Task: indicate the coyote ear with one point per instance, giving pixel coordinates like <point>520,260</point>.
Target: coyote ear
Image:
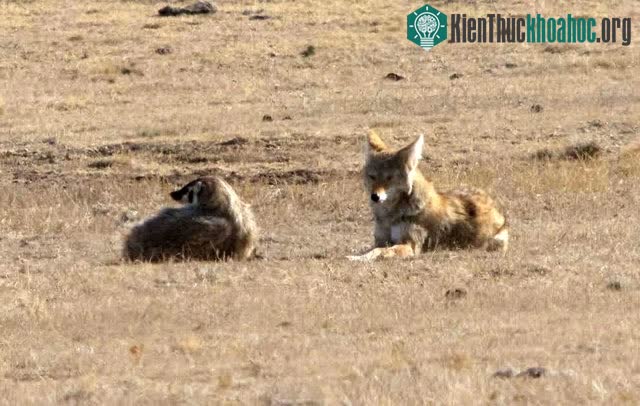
<point>413,152</point>
<point>374,143</point>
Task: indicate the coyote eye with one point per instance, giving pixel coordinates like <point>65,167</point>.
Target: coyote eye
<point>371,177</point>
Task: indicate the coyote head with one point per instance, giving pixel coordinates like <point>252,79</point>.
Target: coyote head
<point>390,174</point>
<point>209,192</point>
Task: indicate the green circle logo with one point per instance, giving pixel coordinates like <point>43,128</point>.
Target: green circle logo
<point>426,27</point>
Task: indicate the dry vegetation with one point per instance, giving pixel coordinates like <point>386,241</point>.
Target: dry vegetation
<point>106,107</point>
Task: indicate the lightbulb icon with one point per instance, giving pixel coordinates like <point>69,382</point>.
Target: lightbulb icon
<point>427,26</point>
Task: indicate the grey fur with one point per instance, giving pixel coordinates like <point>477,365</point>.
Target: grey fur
<point>215,225</point>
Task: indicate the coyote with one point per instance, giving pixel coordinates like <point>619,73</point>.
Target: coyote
<point>411,215</point>
<point>213,224</point>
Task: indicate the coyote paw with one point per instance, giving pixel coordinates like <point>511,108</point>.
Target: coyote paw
<point>360,258</point>
<point>369,256</point>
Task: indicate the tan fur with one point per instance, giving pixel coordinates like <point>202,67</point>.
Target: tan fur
<point>215,224</point>
<point>412,216</point>
<point>632,149</point>
<point>375,143</point>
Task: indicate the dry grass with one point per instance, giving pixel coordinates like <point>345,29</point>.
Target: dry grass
<point>97,126</point>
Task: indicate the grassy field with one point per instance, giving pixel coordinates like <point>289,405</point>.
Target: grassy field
<point>105,108</point>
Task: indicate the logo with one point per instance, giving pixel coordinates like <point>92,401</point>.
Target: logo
<point>426,27</point>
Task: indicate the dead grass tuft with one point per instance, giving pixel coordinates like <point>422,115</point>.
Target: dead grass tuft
<point>457,361</point>
<point>579,176</point>
<point>629,161</point>
<point>68,104</point>
<point>119,162</point>
<point>581,151</point>
<point>189,345</point>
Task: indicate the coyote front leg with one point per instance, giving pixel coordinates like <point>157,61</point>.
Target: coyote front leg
<point>399,250</point>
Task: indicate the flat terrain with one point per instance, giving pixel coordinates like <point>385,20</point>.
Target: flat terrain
<point>105,108</point>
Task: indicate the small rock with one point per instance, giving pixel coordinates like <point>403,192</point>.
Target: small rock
<point>504,373</point>
<point>163,51</point>
<point>260,17</point>
<point>267,118</point>
<point>394,77</point>
<point>199,7</point>
<point>287,118</point>
<point>614,285</point>
<point>454,294</point>
<point>510,65</point>
<point>535,372</point>
<point>136,350</point>
<point>536,108</point>
<point>309,51</point>
<point>456,76</point>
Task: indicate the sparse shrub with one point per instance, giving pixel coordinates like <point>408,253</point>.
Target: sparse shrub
<point>309,51</point>
<point>629,162</point>
<point>582,151</point>
<point>156,132</point>
<point>614,285</point>
<point>536,108</point>
<point>67,104</point>
<point>109,163</point>
<point>112,69</point>
<point>544,154</point>
<point>101,164</point>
